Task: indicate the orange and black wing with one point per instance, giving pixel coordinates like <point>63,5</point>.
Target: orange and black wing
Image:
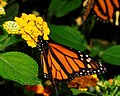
<point>104,10</point>
<point>107,10</point>
<point>88,4</point>
<point>64,63</point>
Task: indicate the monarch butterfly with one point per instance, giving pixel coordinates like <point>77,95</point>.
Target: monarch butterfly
<point>105,10</point>
<point>63,63</point>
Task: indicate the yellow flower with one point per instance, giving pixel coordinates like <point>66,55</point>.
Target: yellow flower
<point>95,77</point>
<point>2,11</point>
<point>11,27</point>
<point>31,27</point>
<point>20,21</point>
<point>26,37</point>
<point>31,43</point>
<point>45,37</point>
<point>27,28</point>
<point>3,3</point>
<point>39,20</point>
<point>83,89</point>
<point>84,82</point>
<point>31,17</point>
<point>97,88</point>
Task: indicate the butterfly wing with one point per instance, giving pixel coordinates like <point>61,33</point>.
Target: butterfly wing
<point>106,10</point>
<point>65,64</point>
<point>88,4</point>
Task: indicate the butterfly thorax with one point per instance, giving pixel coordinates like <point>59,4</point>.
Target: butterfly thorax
<point>42,44</point>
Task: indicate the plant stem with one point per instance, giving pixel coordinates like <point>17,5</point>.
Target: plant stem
<point>115,91</point>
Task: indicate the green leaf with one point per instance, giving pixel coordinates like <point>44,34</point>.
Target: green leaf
<point>60,8</point>
<point>97,47</point>
<point>9,41</point>
<point>77,91</point>
<point>19,67</point>
<point>11,12</point>
<point>68,36</point>
<point>3,37</point>
<point>112,55</point>
<point>118,93</point>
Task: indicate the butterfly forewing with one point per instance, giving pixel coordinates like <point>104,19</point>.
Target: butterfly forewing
<point>53,66</point>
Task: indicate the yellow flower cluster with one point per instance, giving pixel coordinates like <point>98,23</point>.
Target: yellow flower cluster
<point>3,3</point>
<point>84,82</point>
<point>30,27</point>
<point>11,27</point>
<point>2,11</point>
